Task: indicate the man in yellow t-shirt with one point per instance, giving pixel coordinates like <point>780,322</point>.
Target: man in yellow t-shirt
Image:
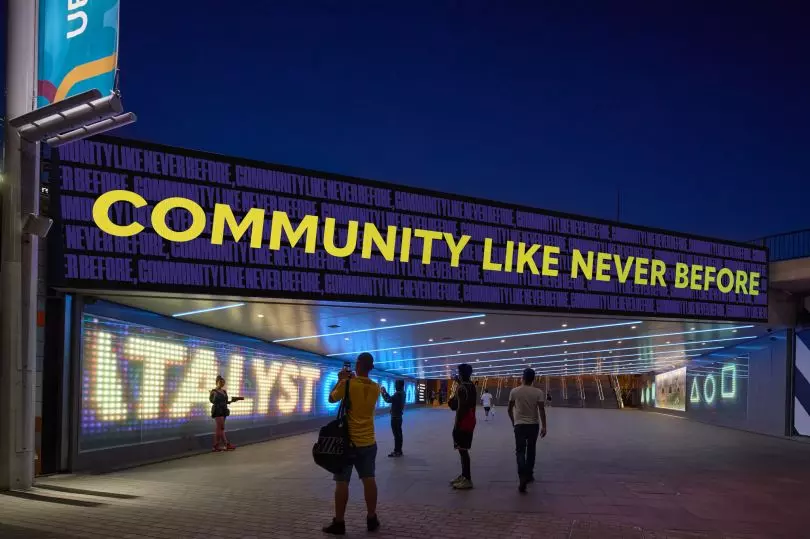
<point>363,397</point>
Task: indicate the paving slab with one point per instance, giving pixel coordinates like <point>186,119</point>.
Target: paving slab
<point>600,474</point>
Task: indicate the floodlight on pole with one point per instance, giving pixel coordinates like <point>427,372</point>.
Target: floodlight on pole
<point>39,114</point>
<point>93,129</point>
<point>64,120</point>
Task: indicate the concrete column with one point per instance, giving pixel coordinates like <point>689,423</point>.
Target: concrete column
<point>19,190</point>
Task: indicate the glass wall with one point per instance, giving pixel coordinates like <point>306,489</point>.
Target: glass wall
<point>144,384</point>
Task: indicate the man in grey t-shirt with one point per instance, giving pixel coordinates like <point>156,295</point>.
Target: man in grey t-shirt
<point>527,409</point>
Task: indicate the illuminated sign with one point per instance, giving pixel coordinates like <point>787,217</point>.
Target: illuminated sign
<point>718,387</point>
<point>147,217</point>
<point>670,390</point>
<point>142,383</point>
<point>421,392</point>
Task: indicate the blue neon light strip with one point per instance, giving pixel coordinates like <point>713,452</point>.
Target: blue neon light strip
<point>479,339</point>
<point>569,360</point>
<point>650,362</point>
<point>542,346</point>
<point>210,309</point>
<point>573,371</point>
<point>440,321</point>
<point>572,354</point>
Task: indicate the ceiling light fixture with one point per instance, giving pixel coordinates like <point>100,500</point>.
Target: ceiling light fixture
<point>563,358</point>
<point>209,310</point>
<point>383,320</point>
<point>498,337</point>
<point>644,356</point>
<point>413,324</point>
<point>544,346</point>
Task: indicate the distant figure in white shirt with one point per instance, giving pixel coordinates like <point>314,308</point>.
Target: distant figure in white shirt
<point>486,400</point>
<point>527,408</point>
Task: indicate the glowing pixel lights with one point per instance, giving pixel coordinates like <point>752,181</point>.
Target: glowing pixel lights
<point>146,384</point>
<point>694,394</point>
<point>156,356</point>
<point>728,372</point>
<point>107,389</point>
<point>709,382</point>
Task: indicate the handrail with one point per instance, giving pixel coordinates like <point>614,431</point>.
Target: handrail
<point>786,246</point>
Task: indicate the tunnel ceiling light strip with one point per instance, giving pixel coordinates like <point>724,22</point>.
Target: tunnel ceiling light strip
<point>572,355</point>
<point>440,321</point>
<point>557,345</point>
<point>210,309</point>
<point>568,359</point>
<point>640,361</point>
<point>479,339</point>
<point>578,370</point>
<point>577,365</point>
<point>571,372</point>
<point>577,362</point>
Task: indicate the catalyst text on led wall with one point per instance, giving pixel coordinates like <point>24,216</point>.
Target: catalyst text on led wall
<point>143,384</point>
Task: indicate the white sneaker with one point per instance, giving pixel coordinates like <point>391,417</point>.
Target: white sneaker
<point>464,484</point>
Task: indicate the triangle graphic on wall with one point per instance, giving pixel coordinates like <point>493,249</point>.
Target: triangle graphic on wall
<point>694,394</point>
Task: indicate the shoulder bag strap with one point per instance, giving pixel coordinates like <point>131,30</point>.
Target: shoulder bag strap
<point>344,403</point>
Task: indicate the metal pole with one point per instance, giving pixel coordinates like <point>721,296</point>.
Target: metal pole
<point>18,264</point>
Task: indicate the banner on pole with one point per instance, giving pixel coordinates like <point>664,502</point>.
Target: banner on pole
<point>78,48</point>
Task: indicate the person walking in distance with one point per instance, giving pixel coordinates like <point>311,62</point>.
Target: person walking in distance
<point>462,401</point>
<point>527,408</point>
<point>397,402</point>
<point>486,400</point>
<point>363,397</point>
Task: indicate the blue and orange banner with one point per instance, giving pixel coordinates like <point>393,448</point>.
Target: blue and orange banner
<point>78,48</point>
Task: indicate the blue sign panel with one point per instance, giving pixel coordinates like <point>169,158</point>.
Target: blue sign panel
<point>78,48</point>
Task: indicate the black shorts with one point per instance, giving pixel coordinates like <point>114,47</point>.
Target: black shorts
<point>486,408</point>
<point>462,439</point>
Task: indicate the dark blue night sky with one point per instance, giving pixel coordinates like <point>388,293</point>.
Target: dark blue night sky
<point>700,114</point>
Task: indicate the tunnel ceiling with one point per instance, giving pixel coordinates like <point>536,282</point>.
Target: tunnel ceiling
<point>429,343</point>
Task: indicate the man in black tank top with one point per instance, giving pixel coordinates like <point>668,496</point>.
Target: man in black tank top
<point>463,401</point>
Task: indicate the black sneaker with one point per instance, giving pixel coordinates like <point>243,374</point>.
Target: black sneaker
<point>372,523</point>
<point>394,454</point>
<point>522,486</point>
<point>335,528</point>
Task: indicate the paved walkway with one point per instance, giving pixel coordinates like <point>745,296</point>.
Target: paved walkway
<point>601,474</point>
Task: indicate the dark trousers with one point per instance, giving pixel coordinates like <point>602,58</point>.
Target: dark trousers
<point>396,428</point>
<point>526,449</point>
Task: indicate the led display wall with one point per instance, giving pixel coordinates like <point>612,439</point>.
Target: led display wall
<point>670,390</point>
<point>143,384</point>
<point>717,388</point>
<point>132,215</point>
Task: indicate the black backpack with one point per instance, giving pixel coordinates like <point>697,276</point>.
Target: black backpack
<point>331,451</point>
